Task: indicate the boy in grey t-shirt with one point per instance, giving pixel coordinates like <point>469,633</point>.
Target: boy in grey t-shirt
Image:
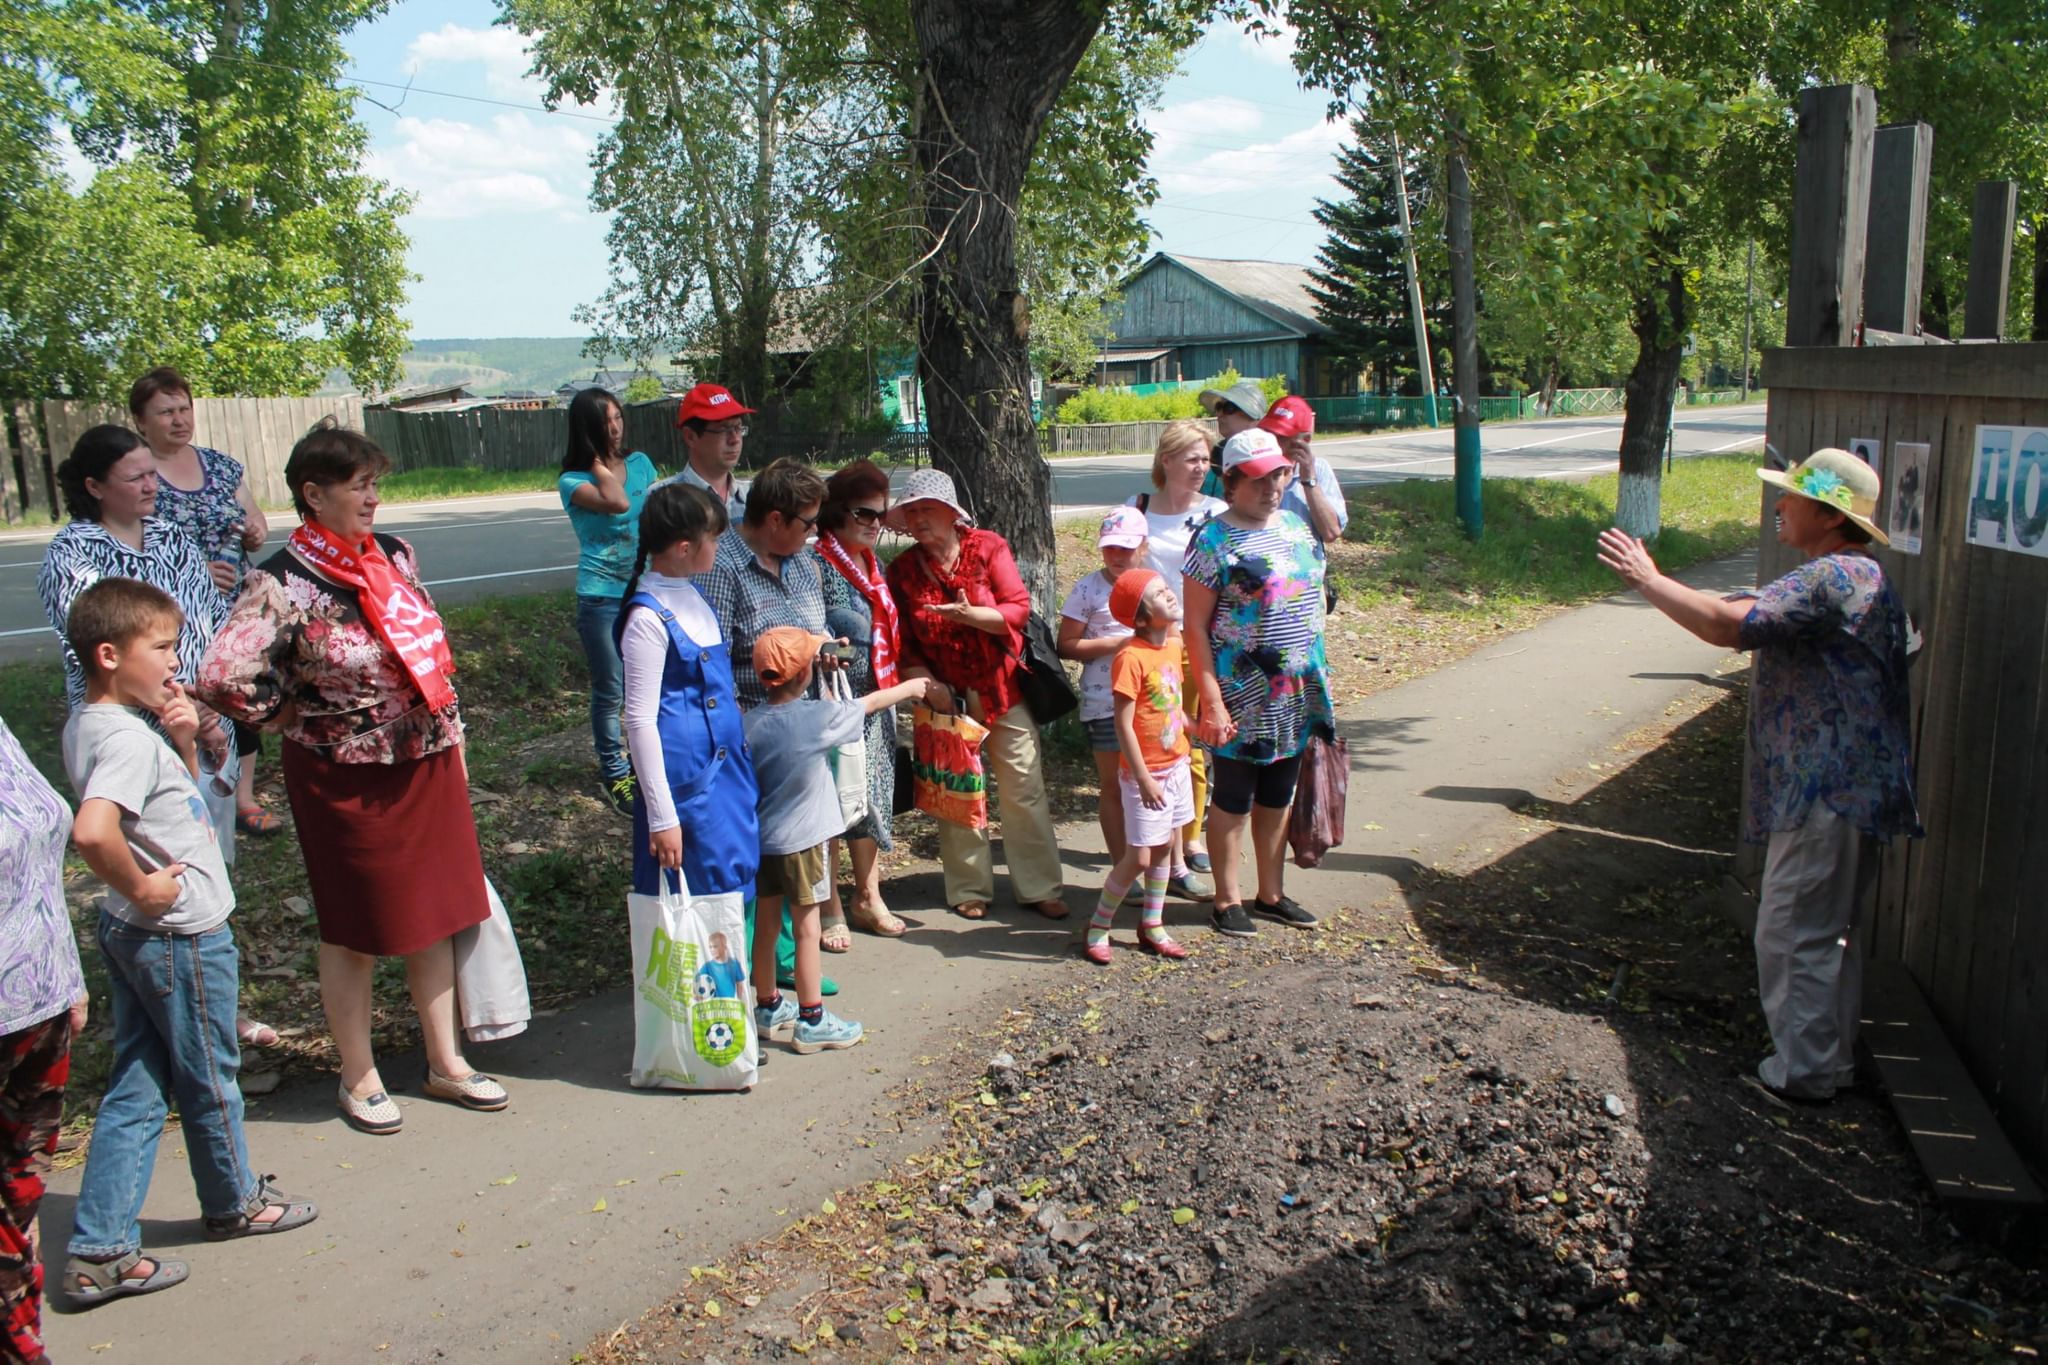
<point>171,963</point>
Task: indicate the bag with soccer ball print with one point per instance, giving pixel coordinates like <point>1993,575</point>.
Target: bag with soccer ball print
<point>693,1008</point>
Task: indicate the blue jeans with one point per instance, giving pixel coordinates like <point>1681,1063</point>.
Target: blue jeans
<point>174,1036</point>
<point>594,619</point>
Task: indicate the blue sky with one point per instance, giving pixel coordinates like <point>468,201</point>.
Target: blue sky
<point>506,245</point>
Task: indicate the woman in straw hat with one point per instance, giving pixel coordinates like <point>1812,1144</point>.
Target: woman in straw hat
<point>1830,765</point>
<point>963,605</point>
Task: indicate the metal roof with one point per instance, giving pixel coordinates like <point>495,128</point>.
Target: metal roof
<point>1275,288</point>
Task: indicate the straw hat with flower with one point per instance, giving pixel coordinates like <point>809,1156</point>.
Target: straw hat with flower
<point>1834,478</point>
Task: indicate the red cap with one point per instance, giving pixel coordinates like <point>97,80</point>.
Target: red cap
<point>1127,593</point>
<point>1291,416</point>
<point>712,402</point>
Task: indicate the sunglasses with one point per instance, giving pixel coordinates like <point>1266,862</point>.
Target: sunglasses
<point>797,518</point>
<point>867,516</point>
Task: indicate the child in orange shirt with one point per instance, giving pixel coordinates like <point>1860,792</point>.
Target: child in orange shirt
<point>1158,796</point>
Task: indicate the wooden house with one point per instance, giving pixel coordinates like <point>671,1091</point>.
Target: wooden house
<point>1189,317</point>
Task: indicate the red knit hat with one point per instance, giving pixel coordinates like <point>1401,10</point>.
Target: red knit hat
<point>1127,593</point>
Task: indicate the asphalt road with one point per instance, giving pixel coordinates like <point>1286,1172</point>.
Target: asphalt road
<point>481,547</point>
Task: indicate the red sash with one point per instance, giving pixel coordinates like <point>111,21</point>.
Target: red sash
<point>860,569</point>
<point>400,616</point>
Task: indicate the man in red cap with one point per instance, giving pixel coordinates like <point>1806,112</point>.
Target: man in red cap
<point>714,425</point>
<point>1314,494</point>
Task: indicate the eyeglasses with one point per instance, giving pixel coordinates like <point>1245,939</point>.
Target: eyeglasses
<point>726,430</point>
<point>867,516</point>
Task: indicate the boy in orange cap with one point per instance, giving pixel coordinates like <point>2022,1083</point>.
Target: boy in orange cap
<point>791,739</point>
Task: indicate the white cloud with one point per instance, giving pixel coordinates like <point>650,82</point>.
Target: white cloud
<point>1196,161</point>
<point>514,164</point>
<point>500,51</point>
<point>1275,48</point>
<point>71,162</point>
<point>1189,129</point>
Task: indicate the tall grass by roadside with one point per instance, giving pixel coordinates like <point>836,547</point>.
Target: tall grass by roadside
<point>1538,546</point>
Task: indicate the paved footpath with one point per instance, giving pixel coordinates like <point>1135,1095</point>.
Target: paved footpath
<point>520,1236</point>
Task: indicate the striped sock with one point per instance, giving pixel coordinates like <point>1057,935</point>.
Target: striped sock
<point>1153,925</point>
<point>1106,908</point>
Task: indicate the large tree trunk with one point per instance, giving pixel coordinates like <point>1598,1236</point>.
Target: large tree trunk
<point>989,72</point>
<point>1661,318</point>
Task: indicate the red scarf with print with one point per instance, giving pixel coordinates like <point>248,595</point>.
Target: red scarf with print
<point>864,572</point>
<point>397,613</point>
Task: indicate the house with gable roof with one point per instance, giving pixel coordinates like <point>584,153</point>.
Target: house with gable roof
<point>1189,317</point>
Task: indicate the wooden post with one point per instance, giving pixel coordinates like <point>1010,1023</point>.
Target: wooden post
<point>1900,159</point>
<point>1830,215</point>
<point>1991,219</point>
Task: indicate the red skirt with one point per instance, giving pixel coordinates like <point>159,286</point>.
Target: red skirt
<point>390,849</point>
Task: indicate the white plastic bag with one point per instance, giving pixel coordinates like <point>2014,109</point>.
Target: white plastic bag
<point>490,977</point>
<point>849,761</point>
<point>693,1015</point>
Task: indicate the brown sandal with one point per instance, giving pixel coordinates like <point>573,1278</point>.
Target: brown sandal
<point>1052,909</point>
<point>972,910</point>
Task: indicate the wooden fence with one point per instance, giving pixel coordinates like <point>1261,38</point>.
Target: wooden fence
<point>260,432</point>
<point>1965,909</point>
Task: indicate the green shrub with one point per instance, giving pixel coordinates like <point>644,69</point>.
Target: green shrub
<point>1121,405</point>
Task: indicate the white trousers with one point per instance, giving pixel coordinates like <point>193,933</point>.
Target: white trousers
<point>1816,881</point>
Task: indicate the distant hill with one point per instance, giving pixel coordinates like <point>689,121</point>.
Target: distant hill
<point>494,364</point>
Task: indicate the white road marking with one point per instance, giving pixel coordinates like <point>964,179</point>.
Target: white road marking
<point>508,573</point>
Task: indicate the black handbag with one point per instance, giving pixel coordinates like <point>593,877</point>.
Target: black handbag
<point>904,797</point>
<point>1041,676</point>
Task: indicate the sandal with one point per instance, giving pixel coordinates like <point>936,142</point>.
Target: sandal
<point>373,1113</point>
<point>1052,909</point>
<point>873,919</point>
<point>836,938</point>
<point>94,1282</point>
<point>256,820</point>
<point>254,1034</point>
<point>292,1213</point>
<point>972,910</point>
<point>474,1091</point>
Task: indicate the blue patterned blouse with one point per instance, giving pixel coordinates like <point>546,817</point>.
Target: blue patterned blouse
<point>39,969</point>
<point>1266,634</point>
<point>1829,718</point>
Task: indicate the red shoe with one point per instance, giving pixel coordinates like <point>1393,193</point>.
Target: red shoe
<point>1163,946</point>
<point>1097,953</point>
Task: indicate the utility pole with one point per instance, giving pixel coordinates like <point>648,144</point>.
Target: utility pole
<point>1748,314</point>
<point>1424,368</point>
<point>1464,340</point>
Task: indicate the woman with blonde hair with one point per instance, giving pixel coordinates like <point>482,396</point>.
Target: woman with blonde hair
<point>1173,510</point>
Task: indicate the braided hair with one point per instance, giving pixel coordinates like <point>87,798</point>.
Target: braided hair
<point>674,512</point>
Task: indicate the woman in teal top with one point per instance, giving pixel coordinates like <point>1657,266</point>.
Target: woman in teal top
<point>602,488</point>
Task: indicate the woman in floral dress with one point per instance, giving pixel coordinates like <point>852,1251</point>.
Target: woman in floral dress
<point>336,644</point>
<point>859,609</point>
<point>1253,585</point>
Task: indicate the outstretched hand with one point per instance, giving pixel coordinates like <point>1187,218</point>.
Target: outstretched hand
<point>1627,557</point>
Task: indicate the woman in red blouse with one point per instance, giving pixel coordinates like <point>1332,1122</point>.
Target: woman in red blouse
<point>963,606</point>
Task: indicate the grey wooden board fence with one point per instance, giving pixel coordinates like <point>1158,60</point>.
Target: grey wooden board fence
<point>1901,159</point>
<point>1963,909</point>
<point>1830,208</point>
<point>260,432</point>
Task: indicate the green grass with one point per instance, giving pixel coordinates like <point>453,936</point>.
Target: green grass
<point>425,485</point>
<point>1538,546</point>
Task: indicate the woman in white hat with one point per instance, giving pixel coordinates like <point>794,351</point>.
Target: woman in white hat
<point>962,605</point>
<point>1830,772</point>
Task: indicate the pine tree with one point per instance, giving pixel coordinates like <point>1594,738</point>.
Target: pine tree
<point>1360,282</point>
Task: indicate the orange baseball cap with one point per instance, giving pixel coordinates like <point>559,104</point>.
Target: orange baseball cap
<point>1127,593</point>
<point>783,652</point>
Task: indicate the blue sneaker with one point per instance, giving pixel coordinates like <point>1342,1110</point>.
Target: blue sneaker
<point>829,1032</point>
<point>777,1024</point>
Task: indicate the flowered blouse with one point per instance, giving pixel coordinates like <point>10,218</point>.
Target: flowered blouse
<point>1266,633</point>
<point>211,513</point>
<point>296,637</point>
<point>1829,714</point>
<point>961,657</point>
<point>39,970</point>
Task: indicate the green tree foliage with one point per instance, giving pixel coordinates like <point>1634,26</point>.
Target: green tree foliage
<point>1360,281</point>
<point>251,249</point>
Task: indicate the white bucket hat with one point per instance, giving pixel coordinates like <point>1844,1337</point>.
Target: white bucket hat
<point>926,485</point>
<point>1837,479</point>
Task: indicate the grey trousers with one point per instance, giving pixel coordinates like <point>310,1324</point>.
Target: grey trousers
<point>1817,878</point>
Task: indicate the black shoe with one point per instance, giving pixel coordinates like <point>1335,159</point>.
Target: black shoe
<point>1232,920</point>
<point>1285,911</point>
<point>619,793</point>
